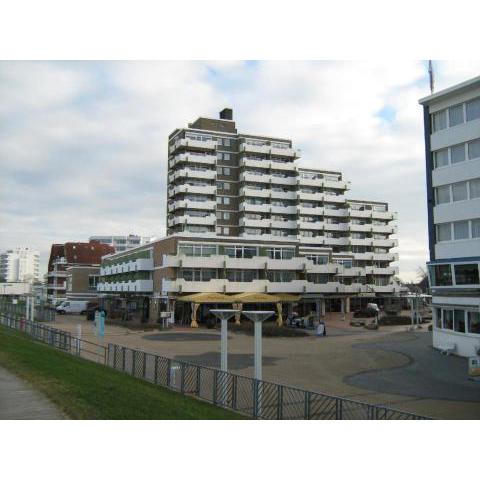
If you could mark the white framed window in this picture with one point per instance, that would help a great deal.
(476, 228)
(473, 109)
(460, 230)
(475, 188)
(441, 158)
(459, 191)
(457, 153)
(444, 232)
(443, 194)
(439, 120)
(474, 149)
(455, 115)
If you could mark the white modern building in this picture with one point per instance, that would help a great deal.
(121, 242)
(243, 216)
(452, 146)
(20, 264)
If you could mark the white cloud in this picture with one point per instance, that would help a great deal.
(83, 150)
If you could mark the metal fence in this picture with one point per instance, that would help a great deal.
(251, 397)
(56, 338)
(42, 313)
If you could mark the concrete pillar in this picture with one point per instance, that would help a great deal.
(347, 305)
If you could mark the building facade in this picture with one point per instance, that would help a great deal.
(66, 256)
(20, 264)
(242, 216)
(452, 147)
(121, 242)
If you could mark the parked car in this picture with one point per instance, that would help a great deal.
(367, 313)
(72, 307)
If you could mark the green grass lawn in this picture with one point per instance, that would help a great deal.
(85, 390)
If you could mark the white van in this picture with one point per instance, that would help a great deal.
(72, 307)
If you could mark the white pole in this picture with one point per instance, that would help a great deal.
(258, 350)
(32, 309)
(411, 311)
(79, 338)
(223, 346)
(27, 307)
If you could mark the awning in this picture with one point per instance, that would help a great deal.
(252, 297)
(206, 297)
(288, 297)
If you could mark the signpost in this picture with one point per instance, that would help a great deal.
(474, 368)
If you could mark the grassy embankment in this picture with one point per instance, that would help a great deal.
(86, 390)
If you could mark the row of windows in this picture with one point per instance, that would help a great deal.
(456, 192)
(236, 251)
(456, 115)
(458, 320)
(446, 274)
(456, 154)
(462, 230)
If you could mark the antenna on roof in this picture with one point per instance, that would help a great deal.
(431, 76)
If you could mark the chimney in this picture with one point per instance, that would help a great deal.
(226, 114)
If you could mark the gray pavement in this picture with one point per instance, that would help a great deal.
(19, 401)
(428, 374)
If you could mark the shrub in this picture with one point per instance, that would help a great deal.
(394, 320)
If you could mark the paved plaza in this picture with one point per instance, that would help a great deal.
(391, 366)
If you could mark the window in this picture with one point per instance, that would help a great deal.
(280, 276)
(438, 317)
(439, 120)
(443, 194)
(444, 232)
(459, 191)
(242, 275)
(238, 251)
(448, 319)
(466, 274)
(476, 228)
(457, 153)
(226, 156)
(474, 149)
(443, 275)
(473, 109)
(455, 115)
(459, 321)
(226, 142)
(281, 253)
(475, 188)
(197, 250)
(317, 278)
(460, 230)
(473, 322)
(441, 158)
(318, 259)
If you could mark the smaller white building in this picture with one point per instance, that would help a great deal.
(20, 264)
(122, 242)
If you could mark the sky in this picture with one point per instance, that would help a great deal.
(83, 145)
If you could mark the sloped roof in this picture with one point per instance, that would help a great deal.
(80, 253)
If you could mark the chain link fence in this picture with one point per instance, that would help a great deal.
(251, 397)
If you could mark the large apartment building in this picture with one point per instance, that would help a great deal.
(121, 242)
(19, 265)
(242, 216)
(452, 147)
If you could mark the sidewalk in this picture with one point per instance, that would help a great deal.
(19, 401)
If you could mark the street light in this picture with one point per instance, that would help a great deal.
(224, 315)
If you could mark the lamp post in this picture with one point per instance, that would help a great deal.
(224, 315)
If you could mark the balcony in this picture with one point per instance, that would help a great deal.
(310, 225)
(339, 184)
(310, 210)
(190, 143)
(246, 162)
(367, 228)
(290, 210)
(317, 197)
(312, 240)
(381, 271)
(351, 271)
(328, 268)
(191, 205)
(200, 189)
(251, 192)
(336, 227)
(246, 147)
(290, 224)
(296, 263)
(254, 223)
(277, 180)
(145, 286)
(285, 152)
(193, 220)
(335, 212)
(384, 215)
(205, 159)
(334, 198)
(255, 178)
(383, 229)
(285, 166)
(191, 173)
(248, 207)
(337, 241)
(284, 195)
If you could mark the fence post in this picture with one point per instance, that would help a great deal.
(255, 398)
(182, 377)
(115, 356)
(338, 409)
(169, 373)
(144, 365)
(197, 388)
(123, 358)
(155, 374)
(307, 405)
(215, 382)
(234, 391)
(134, 358)
(279, 402)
